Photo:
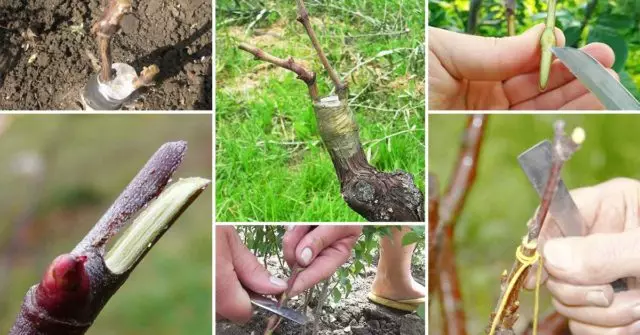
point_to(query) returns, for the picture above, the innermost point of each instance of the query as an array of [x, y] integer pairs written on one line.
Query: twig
[[303, 18], [274, 321], [322, 297], [309, 77], [472, 21], [450, 206], [104, 30], [591, 8], [434, 202], [510, 15]]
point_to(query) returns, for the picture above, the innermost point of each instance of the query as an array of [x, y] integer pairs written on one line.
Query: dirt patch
[[47, 52], [353, 315]]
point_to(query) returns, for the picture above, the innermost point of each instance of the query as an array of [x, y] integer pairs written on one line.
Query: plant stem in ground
[[274, 321]]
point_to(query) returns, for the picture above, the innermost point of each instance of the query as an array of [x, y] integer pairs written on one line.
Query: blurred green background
[[270, 163], [502, 200], [614, 22], [61, 172]]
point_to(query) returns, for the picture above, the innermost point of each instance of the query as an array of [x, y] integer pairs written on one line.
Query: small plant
[[116, 82]]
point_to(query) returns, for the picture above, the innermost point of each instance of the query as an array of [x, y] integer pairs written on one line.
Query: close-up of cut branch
[[375, 195], [77, 285], [105, 29], [505, 314]]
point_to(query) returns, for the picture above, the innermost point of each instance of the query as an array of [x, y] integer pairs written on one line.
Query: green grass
[[260, 109], [89, 161], [502, 200]]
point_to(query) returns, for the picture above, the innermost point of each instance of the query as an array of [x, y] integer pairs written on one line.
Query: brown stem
[[434, 199], [303, 18], [104, 29], [309, 77], [452, 308], [274, 321], [90, 286]]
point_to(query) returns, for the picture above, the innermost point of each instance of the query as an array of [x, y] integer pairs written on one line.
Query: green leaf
[[629, 84], [614, 40], [572, 35], [615, 21], [411, 238], [336, 295]]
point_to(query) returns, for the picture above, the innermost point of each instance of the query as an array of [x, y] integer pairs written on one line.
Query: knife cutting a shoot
[[468, 72]]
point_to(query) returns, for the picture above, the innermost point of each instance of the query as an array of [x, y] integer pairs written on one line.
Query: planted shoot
[[116, 82]]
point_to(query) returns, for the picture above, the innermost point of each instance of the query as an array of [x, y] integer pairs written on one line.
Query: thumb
[[253, 275], [488, 58], [595, 259]]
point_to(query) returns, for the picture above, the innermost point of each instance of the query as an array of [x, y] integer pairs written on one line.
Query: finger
[[624, 310], [323, 237], [250, 272], [594, 259], [580, 328], [323, 266], [524, 87], [587, 101], [232, 301], [485, 58], [574, 295], [290, 241]]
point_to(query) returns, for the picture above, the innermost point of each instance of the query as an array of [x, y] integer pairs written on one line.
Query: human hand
[[472, 72], [321, 251], [581, 268], [237, 268]]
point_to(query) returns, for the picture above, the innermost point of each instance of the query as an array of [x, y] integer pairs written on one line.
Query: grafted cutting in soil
[[49, 53]]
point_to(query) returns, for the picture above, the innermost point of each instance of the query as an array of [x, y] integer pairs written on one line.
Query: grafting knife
[[536, 163], [611, 93], [272, 306]]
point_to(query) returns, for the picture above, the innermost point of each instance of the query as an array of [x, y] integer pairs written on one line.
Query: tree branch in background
[[510, 16], [474, 11], [77, 285], [376, 195], [434, 202], [104, 30], [591, 8], [309, 77], [303, 18], [450, 206]]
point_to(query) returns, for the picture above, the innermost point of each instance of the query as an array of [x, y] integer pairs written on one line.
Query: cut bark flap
[[377, 196]]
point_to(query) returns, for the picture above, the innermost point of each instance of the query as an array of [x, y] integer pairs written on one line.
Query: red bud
[[64, 288]]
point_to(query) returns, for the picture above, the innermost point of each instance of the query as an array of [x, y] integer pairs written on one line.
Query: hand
[[321, 251], [237, 268], [581, 268], [472, 72]]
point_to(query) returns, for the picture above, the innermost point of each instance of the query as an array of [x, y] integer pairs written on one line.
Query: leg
[[393, 278]]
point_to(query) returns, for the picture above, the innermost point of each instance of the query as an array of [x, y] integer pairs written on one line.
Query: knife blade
[[611, 93], [272, 306], [536, 163]]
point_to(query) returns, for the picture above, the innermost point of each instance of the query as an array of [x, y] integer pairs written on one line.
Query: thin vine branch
[[303, 18], [105, 29], [309, 77]]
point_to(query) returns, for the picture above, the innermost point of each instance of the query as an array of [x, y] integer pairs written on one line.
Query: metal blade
[[597, 79], [536, 163], [272, 306]]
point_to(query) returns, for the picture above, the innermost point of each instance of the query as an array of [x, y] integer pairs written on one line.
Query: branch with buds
[[77, 285]]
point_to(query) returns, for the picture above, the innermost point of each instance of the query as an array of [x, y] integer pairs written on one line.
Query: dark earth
[[353, 315], [47, 53]]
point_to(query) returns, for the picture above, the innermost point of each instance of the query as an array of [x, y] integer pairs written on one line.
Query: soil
[[353, 315], [47, 52]]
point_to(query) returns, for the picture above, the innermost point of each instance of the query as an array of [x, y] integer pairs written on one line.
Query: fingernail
[[558, 255], [306, 256], [597, 298], [277, 281]]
